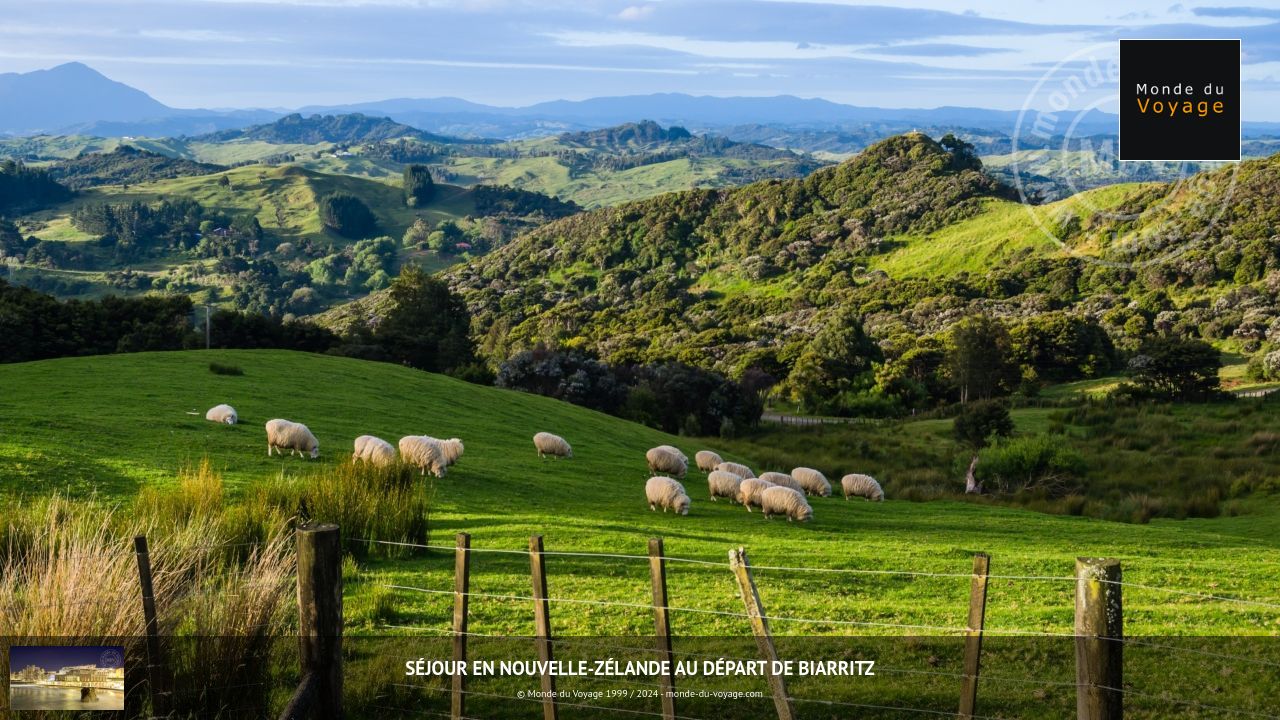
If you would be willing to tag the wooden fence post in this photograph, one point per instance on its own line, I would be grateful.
(760, 627)
(542, 626)
(155, 665)
(1099, 640)
(973, 635)
(320, 616)
(461, 588)
(662, 626)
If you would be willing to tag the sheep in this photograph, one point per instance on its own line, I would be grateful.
(373, 450)
(749, 491)
(783, 479)
(552, 445)
(863, 486)
(424, 453)
(295, 437)
(723, 484)
(663, 459)
(707, 460)
(785, 501)
(812, 481)
(452, 450)
(738, 469)
(676, 451)
(666, 493)
(222, 414)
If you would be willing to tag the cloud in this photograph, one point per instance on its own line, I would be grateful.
(1238, 11)
(635, 12)
(937, 50)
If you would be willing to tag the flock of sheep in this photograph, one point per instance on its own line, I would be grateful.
(775, 493)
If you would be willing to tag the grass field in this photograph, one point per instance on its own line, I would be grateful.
(104, 427)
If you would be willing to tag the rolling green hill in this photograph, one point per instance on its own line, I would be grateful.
(107, 426)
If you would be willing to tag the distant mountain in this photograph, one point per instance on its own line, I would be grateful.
(67, 95)
(628, 135)
(348, 128)
(189, 122)
(126, 165)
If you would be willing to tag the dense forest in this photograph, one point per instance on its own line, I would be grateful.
(25, 189)
(346, 128)
(127, 165)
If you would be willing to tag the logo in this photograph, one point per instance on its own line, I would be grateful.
(110, 658)
(1180, 100)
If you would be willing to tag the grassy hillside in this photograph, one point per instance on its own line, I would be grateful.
(107, 426)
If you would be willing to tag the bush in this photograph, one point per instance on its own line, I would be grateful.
(1035, 463)
(347, 215)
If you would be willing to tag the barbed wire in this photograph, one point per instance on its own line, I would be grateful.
(560, 553)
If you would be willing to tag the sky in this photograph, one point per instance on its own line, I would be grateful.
(903, 53)
(56, 657)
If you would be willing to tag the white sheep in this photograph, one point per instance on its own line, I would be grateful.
(677, 451)
(707, 460)
(666, 459)
(373, 450)
(863, 486)
(783, 479)
(552, 445)
(749, 491)
(222, 414)
(723, 484)
(666, 493)
(738, 469)
(452, 450)
(813, 482)
(785, 501)
(295, 437)
(424, 453)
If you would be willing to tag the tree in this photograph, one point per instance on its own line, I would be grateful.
(839, 353)
(1174, 368)
(347, 215)
(427, 326)
(980, 358)
(974, 427)
(418, 186)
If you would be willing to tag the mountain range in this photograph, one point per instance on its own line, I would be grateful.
(73, 98)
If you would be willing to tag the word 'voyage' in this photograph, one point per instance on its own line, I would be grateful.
(611, 667)
(1175, 107)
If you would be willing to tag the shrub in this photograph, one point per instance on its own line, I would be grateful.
(1033, 463)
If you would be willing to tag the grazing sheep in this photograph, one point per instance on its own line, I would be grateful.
(666, 459)
(373, 450)
(783, 479)
(723, 484)
(749, 492)
(222, 414)
(677, 451)
(552, 445)
(785, 501)
(812, 481)
(738, 469)
(295, 437)
(707, 460)
(863, 486)
(668, 494)
(452, 450)
(424, 453)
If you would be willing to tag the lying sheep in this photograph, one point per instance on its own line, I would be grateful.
(783, 479)
(373, 450)
(295, 437)
(552, 445)
(424, 453)
(863, 486)
(666, 459)
(707, 460)
(812, 481)
(785, 501)
(723, 484)
(738, 469)
(749, 492)
(452, 450)
(222, 414)
(665, 493)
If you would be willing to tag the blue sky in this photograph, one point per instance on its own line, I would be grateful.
(910, 53)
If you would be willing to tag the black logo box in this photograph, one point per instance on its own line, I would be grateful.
(1180, 65)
